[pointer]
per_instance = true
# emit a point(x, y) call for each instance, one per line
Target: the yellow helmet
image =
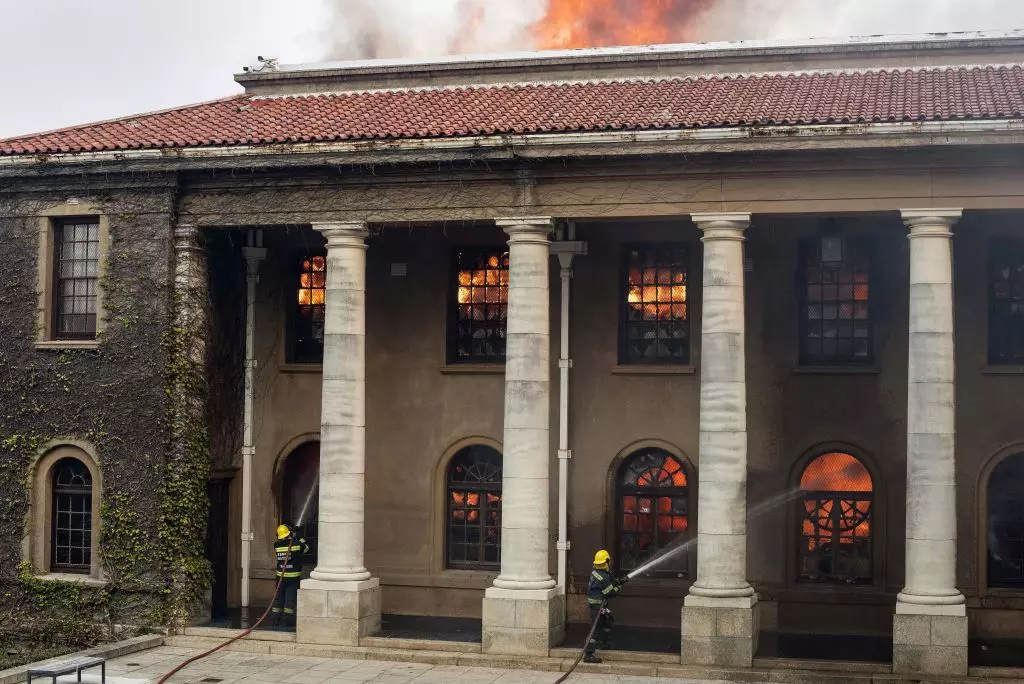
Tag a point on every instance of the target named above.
point(283, 531)
point(601, 558)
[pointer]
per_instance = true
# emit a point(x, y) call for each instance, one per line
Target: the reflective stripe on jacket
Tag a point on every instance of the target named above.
point(293, 550)
point(601, 587)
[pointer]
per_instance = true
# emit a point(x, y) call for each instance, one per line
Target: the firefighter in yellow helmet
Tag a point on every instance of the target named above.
point(290, 551)
point(601, 588)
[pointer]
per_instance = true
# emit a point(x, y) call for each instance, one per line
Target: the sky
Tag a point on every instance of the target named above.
point(68, 62)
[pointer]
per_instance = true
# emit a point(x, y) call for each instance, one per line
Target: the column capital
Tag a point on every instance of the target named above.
point(535, 229)
point(727, 225)
point(931, 222)
point(350, 234)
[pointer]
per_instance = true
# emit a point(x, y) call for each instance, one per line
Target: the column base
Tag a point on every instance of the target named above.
point(523, 622)
point(929, 640)
point(719, 631)
point(337, 613)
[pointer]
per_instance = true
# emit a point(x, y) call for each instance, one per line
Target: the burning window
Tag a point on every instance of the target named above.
point(72, 517)
point(653, 509)
point(480, 306)
point(836, 521)
point(474, 509)
point(655, 311)
point(1006, 303)
point(310, 310)
point(1006, 524)
point(76, 275)
point(836, 317)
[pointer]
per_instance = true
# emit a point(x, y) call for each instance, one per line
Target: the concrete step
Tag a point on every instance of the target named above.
point(421, 644)
point(227, 633)
point(822, 665)
point(621, 656)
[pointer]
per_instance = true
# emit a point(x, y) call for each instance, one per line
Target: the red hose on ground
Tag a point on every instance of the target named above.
point(233, 639)
point(590, 635)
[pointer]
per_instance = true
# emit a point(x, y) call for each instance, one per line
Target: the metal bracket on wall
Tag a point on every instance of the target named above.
point(565, 454)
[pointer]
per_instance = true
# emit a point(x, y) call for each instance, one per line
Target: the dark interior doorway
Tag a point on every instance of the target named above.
point(299, 502)
point(218, 492)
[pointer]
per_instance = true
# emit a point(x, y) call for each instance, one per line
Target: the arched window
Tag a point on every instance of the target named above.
point(1006, 524)
point(836, 525)
point(474, 509)
point(299, 493)
point(653, 503)
point(71, 526)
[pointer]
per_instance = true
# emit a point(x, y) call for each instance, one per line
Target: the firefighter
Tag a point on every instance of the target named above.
point(601, 588)
point(290, 551)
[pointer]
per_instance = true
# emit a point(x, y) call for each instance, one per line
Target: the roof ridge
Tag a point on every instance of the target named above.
point(640, 79)
point(129, 117)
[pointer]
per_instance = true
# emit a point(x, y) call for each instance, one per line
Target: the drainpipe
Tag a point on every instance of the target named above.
point(254, 253)
point(565, 250)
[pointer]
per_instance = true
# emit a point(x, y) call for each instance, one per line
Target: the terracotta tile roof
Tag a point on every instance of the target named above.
point(995, 92)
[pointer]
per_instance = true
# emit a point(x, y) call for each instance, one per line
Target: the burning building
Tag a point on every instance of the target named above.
point(508, 310)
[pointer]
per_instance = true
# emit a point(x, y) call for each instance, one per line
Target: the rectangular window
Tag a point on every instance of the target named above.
point(655, 319)
point(309, 310)
point(836, 314)
point(76, 276)
point(480, 306)
point(1006, 303)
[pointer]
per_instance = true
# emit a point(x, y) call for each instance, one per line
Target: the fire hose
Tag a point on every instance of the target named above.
point(277, 588)
point(590, 635)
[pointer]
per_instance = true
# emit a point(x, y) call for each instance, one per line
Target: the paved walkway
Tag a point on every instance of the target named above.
point(230, 667)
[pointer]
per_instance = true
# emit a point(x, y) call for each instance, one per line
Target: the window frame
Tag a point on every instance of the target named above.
point(996, 246)
point(86, 491)
point(56, 311)
point(483, 489)
point(452, 307)
point(803, 247)
point(294, 273)
point(623, 295)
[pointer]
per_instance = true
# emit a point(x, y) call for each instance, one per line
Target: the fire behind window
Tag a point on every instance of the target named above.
point(655, 313)
point(310, 313)
point(836, 521)
point(474, 509)
point(1006, 524)
point(72, 516)
point(481, 306)
point(836, 318)
point(76, 275)
point(1006, 303)
point(653, 508)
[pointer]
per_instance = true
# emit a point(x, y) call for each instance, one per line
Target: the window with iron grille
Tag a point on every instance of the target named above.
point(309, 312)
point(1006, 524)
point(836, 316)
point(474, 509)
point(655, 319)
point(1006, 303)
point(71, 527)
point(836, 521)
point(653, 508)
point(480, 306)
point(76, 276)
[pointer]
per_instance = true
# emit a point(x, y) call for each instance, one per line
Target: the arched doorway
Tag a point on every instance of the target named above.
point(1005, 524)
point(300, 475)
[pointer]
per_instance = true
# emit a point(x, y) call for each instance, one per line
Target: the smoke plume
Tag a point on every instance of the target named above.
point(362, 29)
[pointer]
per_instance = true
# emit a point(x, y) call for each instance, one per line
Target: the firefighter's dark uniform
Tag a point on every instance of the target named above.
point(602, 587)
point(293, 550)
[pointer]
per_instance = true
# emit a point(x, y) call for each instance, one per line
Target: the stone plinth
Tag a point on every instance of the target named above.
point(932, 643)
point(517, 622)
point(338, 613)
point(720, 631)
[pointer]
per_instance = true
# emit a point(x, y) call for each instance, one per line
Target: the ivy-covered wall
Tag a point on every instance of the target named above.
point(125, 400)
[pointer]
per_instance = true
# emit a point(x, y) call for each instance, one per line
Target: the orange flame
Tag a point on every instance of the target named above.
point(603, 23)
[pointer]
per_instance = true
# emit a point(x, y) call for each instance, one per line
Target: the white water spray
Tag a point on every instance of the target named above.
point(675, 548)
point(305, 504)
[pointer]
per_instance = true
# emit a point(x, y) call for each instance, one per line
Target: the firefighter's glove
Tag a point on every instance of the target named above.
point(621, 580)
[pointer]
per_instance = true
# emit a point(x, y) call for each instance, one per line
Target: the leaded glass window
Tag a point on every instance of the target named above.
point(1006, 303)
point(76, 276)
point(1006, 524)
point(836, 521)
point(655, 309)
point(474, 509)
point(71, 530)
point(653, 507)
point(310, 310)
point(480, 306)
point(836, 316)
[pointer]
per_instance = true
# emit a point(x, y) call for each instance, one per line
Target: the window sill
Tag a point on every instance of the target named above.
point(654, 370)
point(71, 578)
point(445, 579)
point(1003, 370)
point(67, 344)
point(301, 368)
point(836, 370)
point(473, 369)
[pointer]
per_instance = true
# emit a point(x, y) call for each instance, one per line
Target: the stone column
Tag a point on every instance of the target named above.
point(719, 622)
point(930, 625)
point(523, 612)
point(341, 602)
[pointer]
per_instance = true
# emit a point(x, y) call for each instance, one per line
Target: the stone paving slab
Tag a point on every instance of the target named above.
point(229, 667)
